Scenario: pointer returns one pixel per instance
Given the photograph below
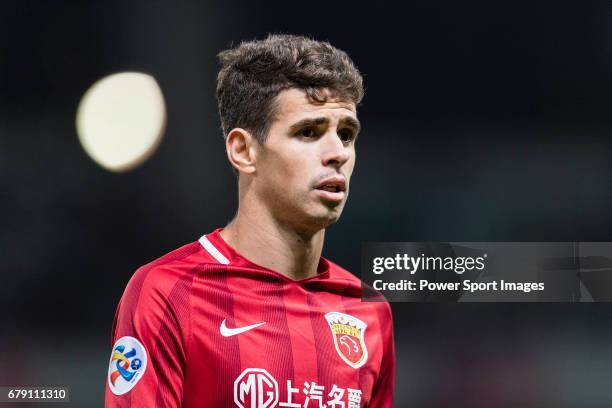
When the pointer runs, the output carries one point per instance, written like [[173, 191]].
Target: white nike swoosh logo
[[227, 332]]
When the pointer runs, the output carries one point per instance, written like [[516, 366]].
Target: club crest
[[349, 338]]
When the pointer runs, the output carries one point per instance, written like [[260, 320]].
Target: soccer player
[[251, 315]]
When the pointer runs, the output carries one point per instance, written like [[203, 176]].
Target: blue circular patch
[[136, 363]]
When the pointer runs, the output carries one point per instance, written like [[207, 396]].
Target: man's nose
[[335, 153]]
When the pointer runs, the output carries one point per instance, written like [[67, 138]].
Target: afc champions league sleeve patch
[[349, 338], [127, 365]]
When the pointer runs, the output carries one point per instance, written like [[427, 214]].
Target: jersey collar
[[216, 246]]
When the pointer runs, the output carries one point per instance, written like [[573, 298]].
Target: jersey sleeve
[[382, 394], [146, 367]]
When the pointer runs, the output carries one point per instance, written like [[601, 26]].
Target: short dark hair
[[255, 72]]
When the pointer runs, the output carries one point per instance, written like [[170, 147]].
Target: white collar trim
[[213, 251]]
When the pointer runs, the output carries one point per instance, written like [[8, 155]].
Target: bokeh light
[[121, 119]]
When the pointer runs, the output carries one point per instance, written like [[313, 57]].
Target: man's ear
[[241, 149]]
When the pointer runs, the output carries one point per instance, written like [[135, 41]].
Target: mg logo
[[255, 388]]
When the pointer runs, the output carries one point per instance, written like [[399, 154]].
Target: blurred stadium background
[[483, 121]]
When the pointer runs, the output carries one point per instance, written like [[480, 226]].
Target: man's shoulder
[[167, 263], [163, 273]]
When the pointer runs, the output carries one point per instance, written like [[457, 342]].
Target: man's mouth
[[333, 184], [332, 188]]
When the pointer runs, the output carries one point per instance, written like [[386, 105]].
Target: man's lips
[[332, 189], [334, 184]]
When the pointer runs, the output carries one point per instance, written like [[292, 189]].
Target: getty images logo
[[413, 264]]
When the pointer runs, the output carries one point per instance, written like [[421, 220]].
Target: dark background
[[483, 121]]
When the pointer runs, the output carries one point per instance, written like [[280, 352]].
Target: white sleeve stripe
[[213, 251]]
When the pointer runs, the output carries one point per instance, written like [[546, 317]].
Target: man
[[251, 315]]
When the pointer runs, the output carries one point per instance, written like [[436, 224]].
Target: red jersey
[[204, 327]]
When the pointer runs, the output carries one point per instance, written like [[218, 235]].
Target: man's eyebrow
[[309, 122], [314, 122]]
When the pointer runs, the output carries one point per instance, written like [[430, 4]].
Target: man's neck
[[268, 243]]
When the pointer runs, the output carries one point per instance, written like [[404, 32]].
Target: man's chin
[[327, 217], [314, 222]]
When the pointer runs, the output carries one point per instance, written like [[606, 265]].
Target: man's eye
[[307, 132], [346, 135]]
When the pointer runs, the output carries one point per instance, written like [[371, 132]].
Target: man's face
[[304, 167]]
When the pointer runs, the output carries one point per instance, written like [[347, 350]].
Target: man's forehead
[[295, 102]]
